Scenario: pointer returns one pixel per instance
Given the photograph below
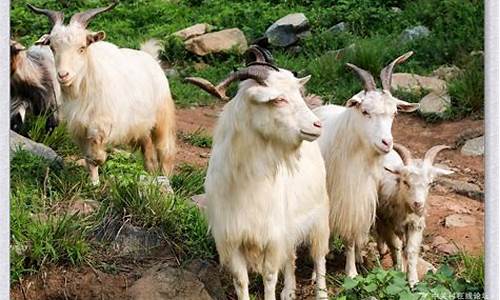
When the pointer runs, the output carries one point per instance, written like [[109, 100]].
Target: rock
[[84, 207], [199, 66], [459, 220], [473, 147], [340, 27], [446, 72], [200, 200], [287, 30], [396, 9], [193, 31], [434, 103], [414, 33], [162, 181], [442, 245], [425, 248], [416, 82], [467, 189], [166, 283], [171, 73], [216, 42], [18, 141], [211, 276], [423, 267]]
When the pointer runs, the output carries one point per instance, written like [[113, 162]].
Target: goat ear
[[304, 80], [95, 37], [406, 106], [392, 170], [436, 172], [353, 102], [44, 40]]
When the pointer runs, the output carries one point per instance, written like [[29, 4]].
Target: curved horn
[[431, 154], [258, 52], [386, 73], [56, 17], [257, 73], [365, 76], [404, 153], [85, 17]]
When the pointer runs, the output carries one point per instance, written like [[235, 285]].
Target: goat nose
[[387, 142], [317, 124], [417, 204], [62, 75]]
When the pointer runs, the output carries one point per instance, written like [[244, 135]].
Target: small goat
[[356, 138], [402, 204], [110, 95], [33, 84], [265, 184]]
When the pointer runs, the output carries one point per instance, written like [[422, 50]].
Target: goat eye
[[406, 183], [81, 50], [365, 113], [279, 102]]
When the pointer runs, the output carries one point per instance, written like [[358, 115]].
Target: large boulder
[[193, 31], [216, 42], [18, 142], [413, 33], [287, 30], [167, 283], [410, 81]]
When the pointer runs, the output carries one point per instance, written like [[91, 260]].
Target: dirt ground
[[88, 283]]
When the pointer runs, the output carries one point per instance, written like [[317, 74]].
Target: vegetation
[[44, 230]]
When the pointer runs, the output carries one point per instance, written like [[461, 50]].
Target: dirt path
[[410, 130]]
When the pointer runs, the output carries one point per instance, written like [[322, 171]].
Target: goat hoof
[[287, 295]]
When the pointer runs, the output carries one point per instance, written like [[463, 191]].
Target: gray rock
[[216, 42], [435, 103], [459, 220], [414, 33], [446, 72], [473, 147], [340, 27], [18, 141], [167, 283], [287, 30], [464, 188], [162, 181], [210, 274], [442, 245], [193, 31], [408, 81], [171, 73], [396, 9]]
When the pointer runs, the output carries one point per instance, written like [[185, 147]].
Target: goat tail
[[152, 47]]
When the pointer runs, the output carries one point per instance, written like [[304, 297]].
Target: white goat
[[265, 184], [33, 84], [401, 211], [353, 144], [111, 95]]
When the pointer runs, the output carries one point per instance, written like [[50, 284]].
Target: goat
[[402, 204], [356, 138], [33, 85], [265, 185], [110, 95]]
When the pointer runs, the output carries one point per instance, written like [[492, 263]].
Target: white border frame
[[492, 117], [492, 166], [4, 149]]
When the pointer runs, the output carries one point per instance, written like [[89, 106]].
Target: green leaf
[[407, 296], [349, 283], [393, 289], [370, 288]]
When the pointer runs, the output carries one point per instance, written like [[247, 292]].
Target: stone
[[210, 274], [396, 9], [442, 245], [434, 103], [287, 30], [167, 283], [446, 72], [161, 181], [18, 142], [473, 147], [459, 220], [464, 188], [409, 81], [413, 33], [423, 267], [84, 207], [216, 42], [193, 31], [339, 27], [171, 72], [200, 200]]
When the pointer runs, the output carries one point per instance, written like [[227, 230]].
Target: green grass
[[198, 138]]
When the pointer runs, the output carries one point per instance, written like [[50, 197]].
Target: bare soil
[[89, 283]]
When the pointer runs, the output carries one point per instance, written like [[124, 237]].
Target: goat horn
[[56, 17], [261, 54], [257, 73], [386, 73], [365, 76], [431, 154], [85, 17], [403, 152]]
